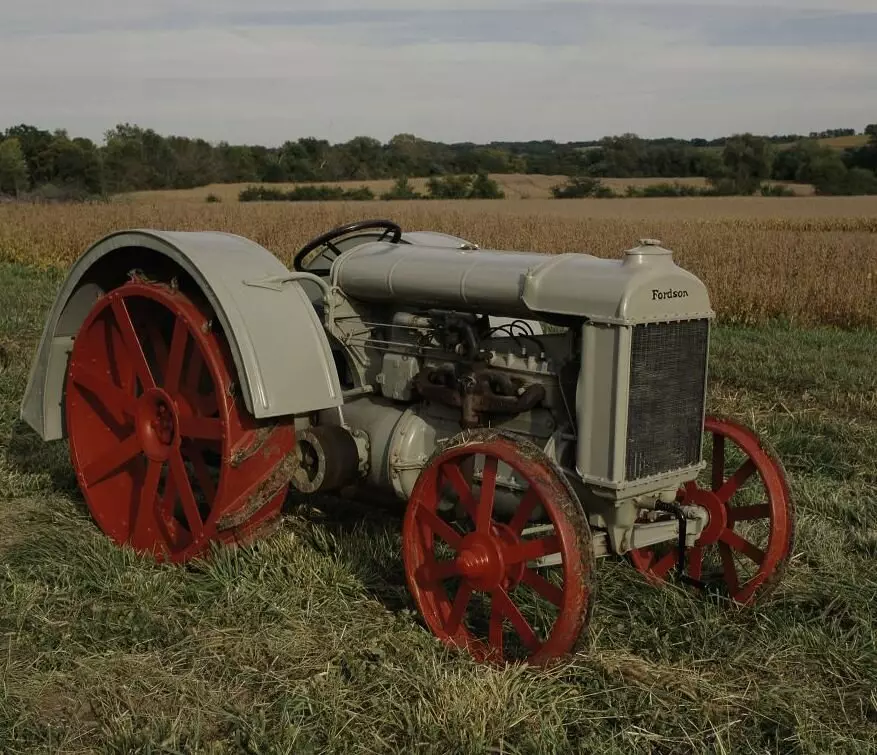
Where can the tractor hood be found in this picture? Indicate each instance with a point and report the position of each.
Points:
(644, 286)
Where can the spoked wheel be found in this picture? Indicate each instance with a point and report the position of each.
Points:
(166, 455)
(476, 581)
(742, 551)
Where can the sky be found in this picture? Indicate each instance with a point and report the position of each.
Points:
(265, 71)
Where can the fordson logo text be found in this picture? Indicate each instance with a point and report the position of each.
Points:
(668, 294)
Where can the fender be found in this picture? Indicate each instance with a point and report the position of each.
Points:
(283, 359)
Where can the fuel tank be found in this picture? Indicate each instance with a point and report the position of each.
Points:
(644, 285)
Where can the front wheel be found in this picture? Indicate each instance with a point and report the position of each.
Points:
(506, 588)
(744, 549)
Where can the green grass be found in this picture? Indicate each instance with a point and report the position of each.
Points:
(308, 642)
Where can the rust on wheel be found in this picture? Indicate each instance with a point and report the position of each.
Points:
(749, 537)
(167, 457)
(476, 580)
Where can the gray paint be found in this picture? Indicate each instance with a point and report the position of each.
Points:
(281, 369)
(520, 284)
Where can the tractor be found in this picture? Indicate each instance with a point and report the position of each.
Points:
(525, 413)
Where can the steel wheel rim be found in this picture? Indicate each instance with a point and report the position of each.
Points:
(140, 424)
(493, 559)
(734, 548)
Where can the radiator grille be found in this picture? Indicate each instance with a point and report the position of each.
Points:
(665, 409)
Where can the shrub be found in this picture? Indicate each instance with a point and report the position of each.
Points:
(579, 187)
(675, 189)
(449, 187)
(776, 190)
(484, 187)
(305, 194)
(402, 189)
(212, 199)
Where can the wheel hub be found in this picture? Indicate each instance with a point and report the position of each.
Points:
(716, 511)
(480, 561)
(157, 424)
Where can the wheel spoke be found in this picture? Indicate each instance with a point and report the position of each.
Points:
(729, 568)
(729, 488)
(203, 428)
(542, 586)
(738, 543)
(461, 602)
(501, 601)
(454, 475)
(175, 359)
(110, 395)
(187, 497)
(718, 470)
(524, 511)
(530, 550)
(748, 513)
(488, 490)
(437, 525)
(145, 520)
(117, 457)
(432, 572)
(132, 343)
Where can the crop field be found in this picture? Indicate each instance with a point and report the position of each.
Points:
(309, 642)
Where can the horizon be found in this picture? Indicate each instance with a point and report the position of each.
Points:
(483, 71)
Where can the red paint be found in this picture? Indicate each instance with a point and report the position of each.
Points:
(492, 557)
(722, 502)
(148, 396)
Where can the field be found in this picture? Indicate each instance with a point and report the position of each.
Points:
(308, 642)
(515, 186)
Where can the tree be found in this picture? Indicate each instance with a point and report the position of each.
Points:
(13, 167)
(484, 187)
(747, 161)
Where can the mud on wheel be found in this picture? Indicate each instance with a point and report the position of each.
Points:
(165, 453)
(477, 578)
(744, 549)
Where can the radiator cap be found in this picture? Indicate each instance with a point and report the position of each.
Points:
(647, 252)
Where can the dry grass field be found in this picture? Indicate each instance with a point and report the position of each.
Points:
(807, 260)
(309, 642)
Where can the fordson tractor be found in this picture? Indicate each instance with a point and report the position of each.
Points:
(529, 413)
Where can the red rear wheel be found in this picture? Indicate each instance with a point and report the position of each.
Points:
(749, 538)
(476, 580)
(166, 456)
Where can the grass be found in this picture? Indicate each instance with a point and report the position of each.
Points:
(308, 642)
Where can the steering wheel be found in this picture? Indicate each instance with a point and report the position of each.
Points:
(327, 239)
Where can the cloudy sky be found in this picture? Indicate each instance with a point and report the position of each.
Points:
(263, 71)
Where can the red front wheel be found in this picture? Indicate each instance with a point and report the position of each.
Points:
(510, 582)
(749, 538)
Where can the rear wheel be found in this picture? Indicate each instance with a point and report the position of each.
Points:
(166, 455)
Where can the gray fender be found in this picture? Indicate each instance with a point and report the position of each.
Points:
(283, 359)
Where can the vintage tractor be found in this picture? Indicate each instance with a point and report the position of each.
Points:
(534, 412)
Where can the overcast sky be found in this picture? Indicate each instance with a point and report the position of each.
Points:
(264, 71)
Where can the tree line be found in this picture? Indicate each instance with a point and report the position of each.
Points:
(40, 163)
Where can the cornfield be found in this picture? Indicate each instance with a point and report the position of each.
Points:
(806, 261)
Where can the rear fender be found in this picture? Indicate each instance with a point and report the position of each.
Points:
(282, 356)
